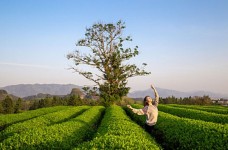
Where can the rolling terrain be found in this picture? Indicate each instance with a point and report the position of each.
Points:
(25, 90)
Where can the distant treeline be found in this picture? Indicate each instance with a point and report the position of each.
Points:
(196, 100)
(8, 106)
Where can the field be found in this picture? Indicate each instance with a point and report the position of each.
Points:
(115, 127)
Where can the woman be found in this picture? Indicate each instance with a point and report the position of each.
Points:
(150, 110)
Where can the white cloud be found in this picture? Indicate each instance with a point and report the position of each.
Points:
(25, 65)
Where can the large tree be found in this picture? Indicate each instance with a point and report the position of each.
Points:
(7, 105)
(109, 56)
(18, 105)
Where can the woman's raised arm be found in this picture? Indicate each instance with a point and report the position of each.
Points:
(156, 95)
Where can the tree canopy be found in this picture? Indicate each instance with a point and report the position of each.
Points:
(108, 55)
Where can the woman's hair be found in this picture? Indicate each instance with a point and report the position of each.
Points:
(145, 101)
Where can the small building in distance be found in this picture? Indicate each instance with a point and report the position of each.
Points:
(221, 101)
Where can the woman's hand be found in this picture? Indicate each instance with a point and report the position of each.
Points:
(129, 106)
(152, 86)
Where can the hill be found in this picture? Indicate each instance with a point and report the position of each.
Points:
(25, 90)
(167, 92)
(74, 91)
(3, 94)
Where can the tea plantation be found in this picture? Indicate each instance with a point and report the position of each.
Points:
(115, 127)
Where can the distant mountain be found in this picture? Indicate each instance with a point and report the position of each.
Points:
(4, 93)
(38, 96)
(162, 93)
(74, 91)
(166, 93)
(24, 90)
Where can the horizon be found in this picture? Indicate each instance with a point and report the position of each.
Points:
(184, 43)
(130, 92)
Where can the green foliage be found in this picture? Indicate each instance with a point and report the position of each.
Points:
(182, 133)
(67, 127)
(139, 119)
(111, 93)
(196, 100)
(46, 102)
(44, 120)
(35, 105)
(192, 134)
(194, 114)
(70, 100)
(6, 120)
(108, 56)
(117, 131)
(58, 136)
(58, 101)
(213, 109)
(7, 105)
(74, 100)
(125, 101)
(90, 92)
(18, 105)
(1, 108)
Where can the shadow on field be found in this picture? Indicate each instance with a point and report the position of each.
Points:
(4, 136)
(80, 134)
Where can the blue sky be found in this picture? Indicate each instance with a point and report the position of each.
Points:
(184, 42)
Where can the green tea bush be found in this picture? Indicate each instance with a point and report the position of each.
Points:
(182, 133)
(194, 114)
(44, 120)
(6, 120)
(213, 109)
(118, 131)
(59, 136)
